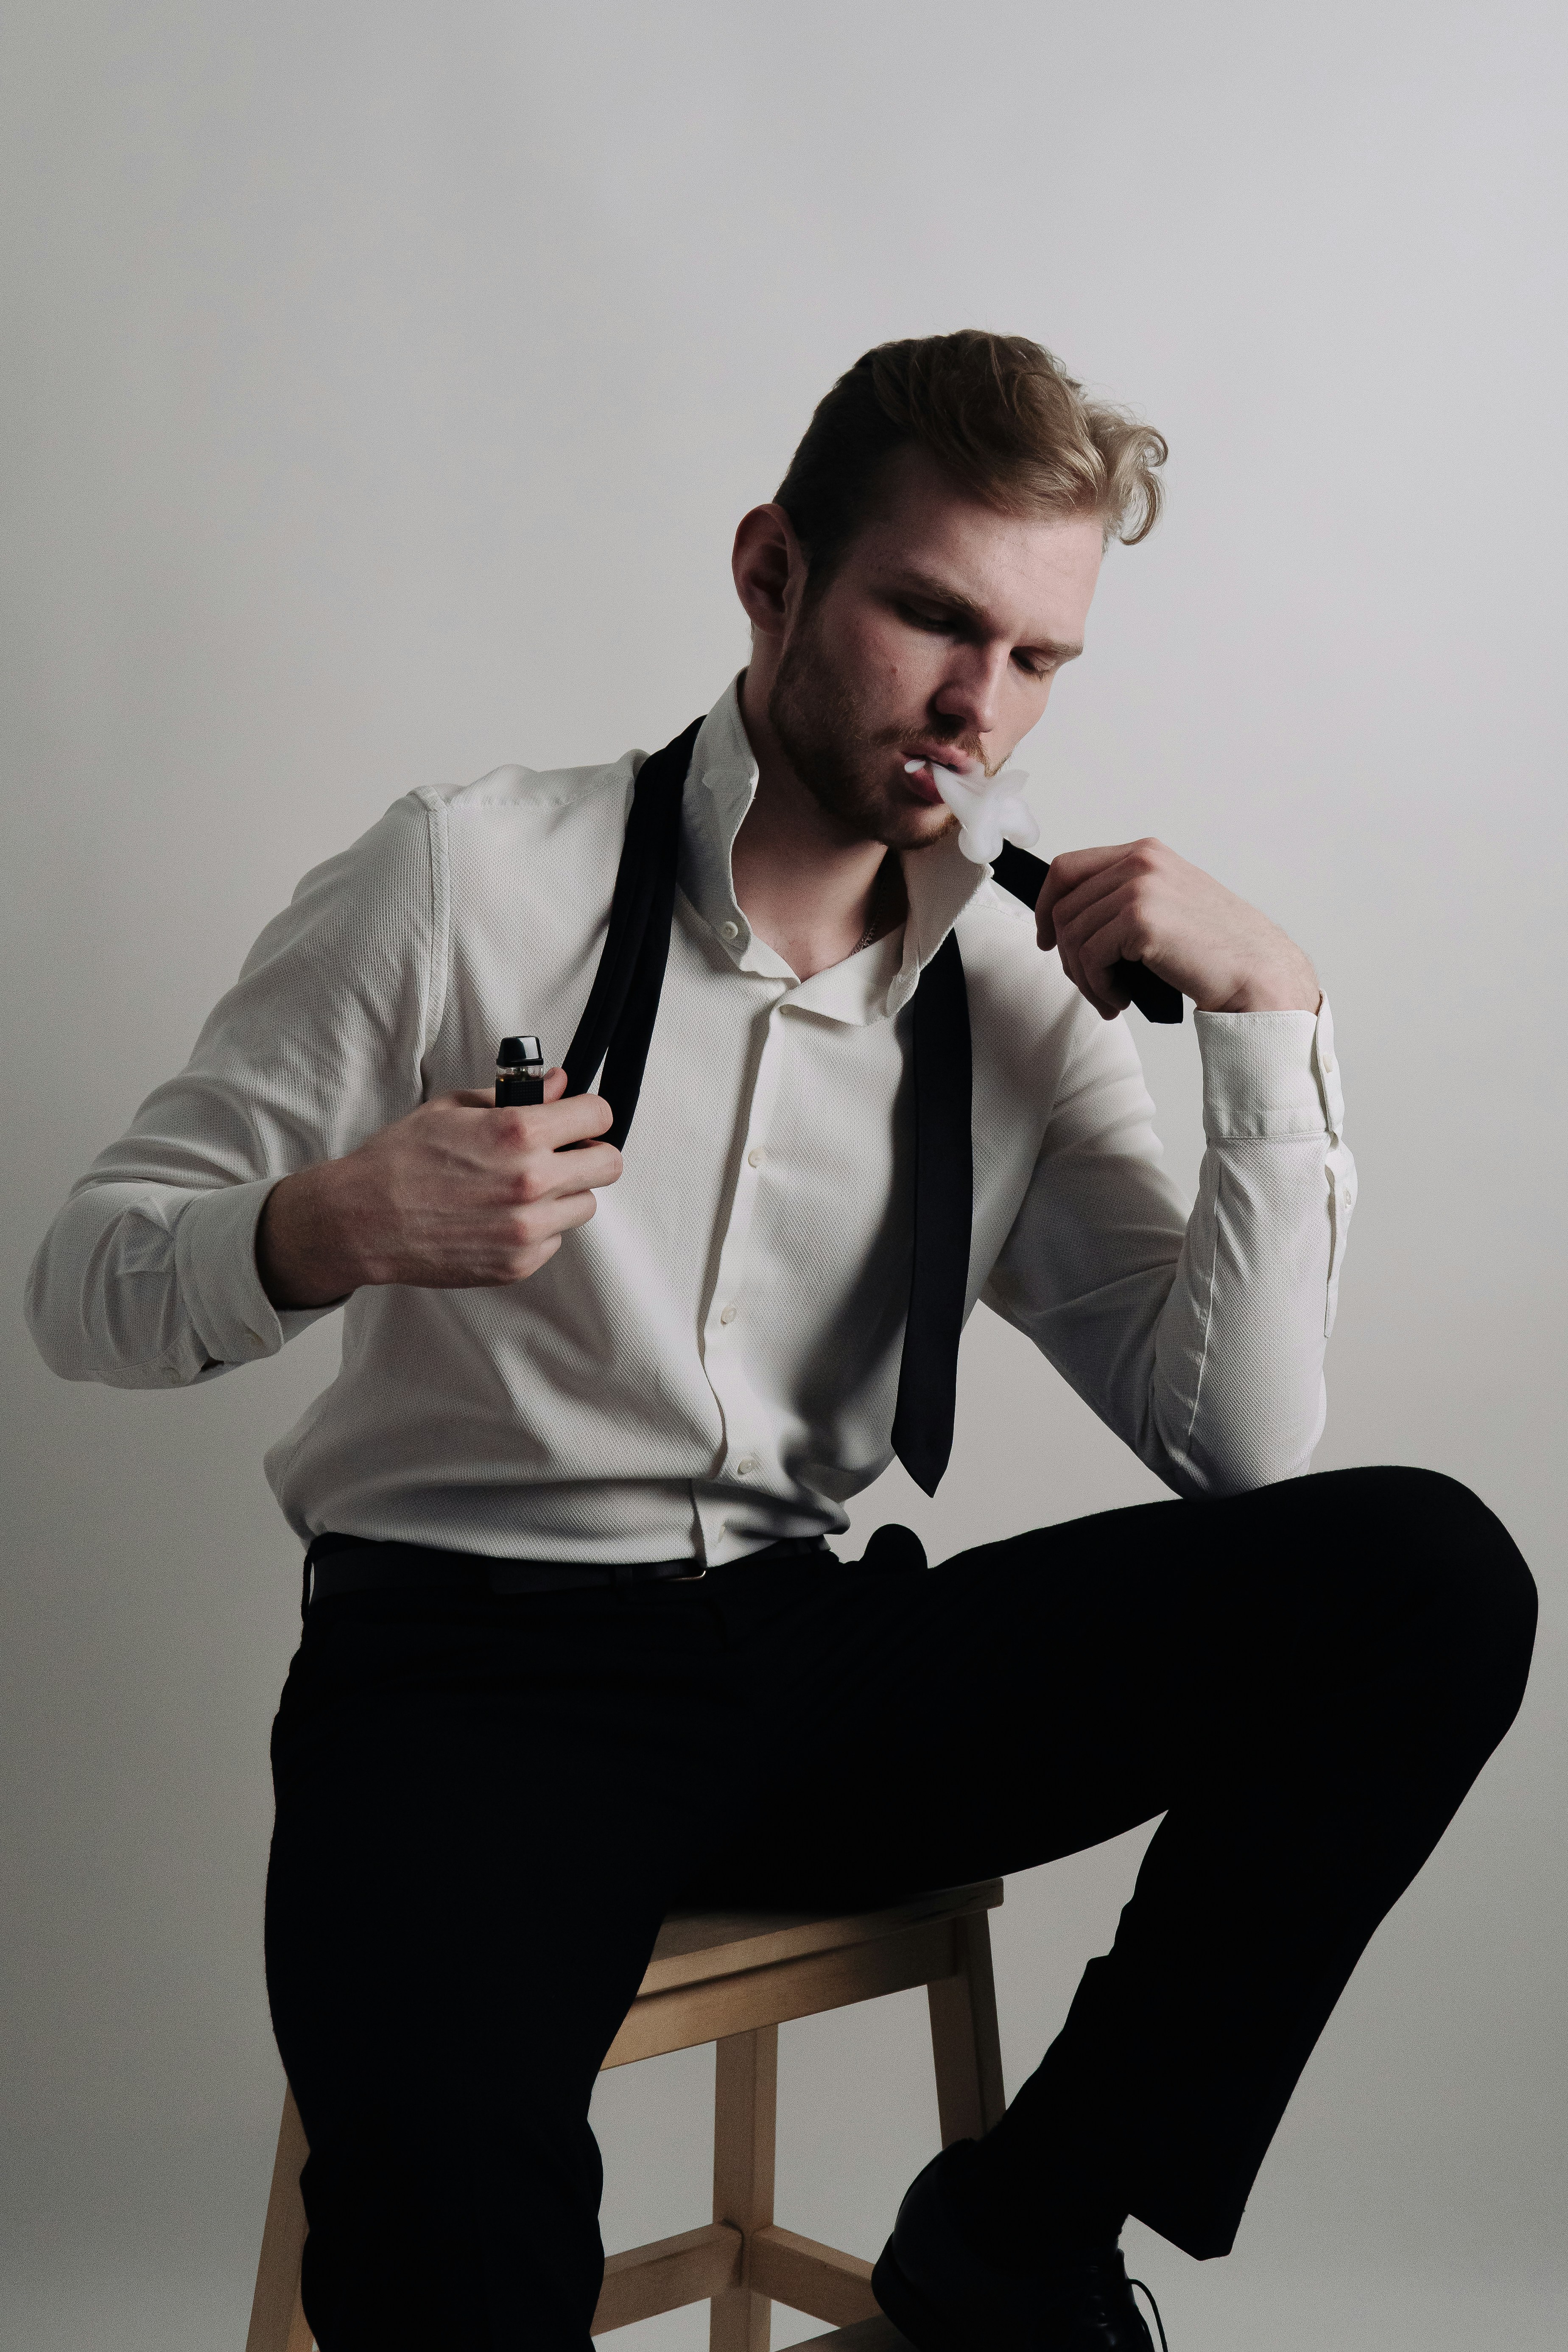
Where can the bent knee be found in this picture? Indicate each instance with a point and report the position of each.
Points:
(1468, 1566)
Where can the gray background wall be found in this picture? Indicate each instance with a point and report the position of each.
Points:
(383, 384)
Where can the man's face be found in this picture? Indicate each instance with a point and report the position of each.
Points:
(940, 631)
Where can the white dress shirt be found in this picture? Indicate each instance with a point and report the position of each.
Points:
(712, 1361)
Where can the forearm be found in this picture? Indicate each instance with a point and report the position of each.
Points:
(1196, 1333)
(1236, 1391)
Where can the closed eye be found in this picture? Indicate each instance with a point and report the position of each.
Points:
(938, 623)
(966, 625)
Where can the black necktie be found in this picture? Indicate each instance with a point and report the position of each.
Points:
(616, 1027)
(623, 1003)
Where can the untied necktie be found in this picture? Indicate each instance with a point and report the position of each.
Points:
(616, 1027)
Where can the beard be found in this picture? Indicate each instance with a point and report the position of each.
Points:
(842, 762)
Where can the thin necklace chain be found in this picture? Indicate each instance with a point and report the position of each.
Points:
(874, 927)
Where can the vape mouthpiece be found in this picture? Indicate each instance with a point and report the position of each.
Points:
(989, 809)
(519, 1072)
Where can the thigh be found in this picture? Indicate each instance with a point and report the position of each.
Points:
(1032, 1697)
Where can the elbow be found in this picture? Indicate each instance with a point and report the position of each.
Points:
(58, 1337)
(87, 1327)
(1261, 1442)
(62, 1330)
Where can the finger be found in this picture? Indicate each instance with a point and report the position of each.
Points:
(1095, 986)
(1093, 946)
(1075, 913)
(1119, 903)
(1068, 871)
(575, 1209)
(568, 1119)
(1099, 955)
(554, 1175)
(542, 1218)
(550, 1126)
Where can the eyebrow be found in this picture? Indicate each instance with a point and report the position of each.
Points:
(952, 600)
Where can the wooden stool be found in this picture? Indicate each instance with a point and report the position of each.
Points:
(733, 1978)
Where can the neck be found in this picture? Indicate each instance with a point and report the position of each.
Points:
(804, 881)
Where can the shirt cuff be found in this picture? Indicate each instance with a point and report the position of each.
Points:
(214, 1265)
(1269, 1075)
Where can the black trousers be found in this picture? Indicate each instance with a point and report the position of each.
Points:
(486, 1805)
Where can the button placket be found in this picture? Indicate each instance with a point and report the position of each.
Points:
(1329, 1091)
(722, 1363)
(1339, 1166)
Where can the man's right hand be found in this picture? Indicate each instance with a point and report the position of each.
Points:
(457, 1195)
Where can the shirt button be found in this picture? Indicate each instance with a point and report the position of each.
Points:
(255, 1337)
(755, 1158)
(729, 1315)
(746, 1466)
(1328, 1066)
(728, 931)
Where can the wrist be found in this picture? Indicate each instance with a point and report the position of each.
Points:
(1289, 987)
(305, 1253)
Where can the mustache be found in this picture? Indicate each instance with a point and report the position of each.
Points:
(955, 738)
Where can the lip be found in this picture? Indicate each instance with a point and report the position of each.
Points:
(921, 785)
(947, 755)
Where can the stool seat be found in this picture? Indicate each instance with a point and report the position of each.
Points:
(720, 1972)
(733, 1978)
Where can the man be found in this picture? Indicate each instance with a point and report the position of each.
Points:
(577, 1646)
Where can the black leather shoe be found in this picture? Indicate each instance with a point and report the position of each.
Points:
(946, 2299)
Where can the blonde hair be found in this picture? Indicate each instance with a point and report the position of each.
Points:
(1000, 414)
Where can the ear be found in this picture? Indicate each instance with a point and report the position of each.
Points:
(769, 568)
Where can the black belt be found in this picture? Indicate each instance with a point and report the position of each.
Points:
(337, 1564)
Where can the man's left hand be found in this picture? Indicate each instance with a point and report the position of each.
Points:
(1138, 899)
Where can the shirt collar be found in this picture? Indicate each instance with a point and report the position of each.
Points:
(870, 986)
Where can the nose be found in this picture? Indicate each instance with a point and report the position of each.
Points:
(972, 689)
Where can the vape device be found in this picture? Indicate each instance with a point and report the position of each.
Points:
(520, 1071)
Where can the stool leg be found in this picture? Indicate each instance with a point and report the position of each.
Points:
(745, 2115)
(965, 2041)
(277, 2322)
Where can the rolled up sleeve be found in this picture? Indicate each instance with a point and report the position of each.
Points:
(147, 1277)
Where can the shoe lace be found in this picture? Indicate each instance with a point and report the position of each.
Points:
(1155, 2309)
